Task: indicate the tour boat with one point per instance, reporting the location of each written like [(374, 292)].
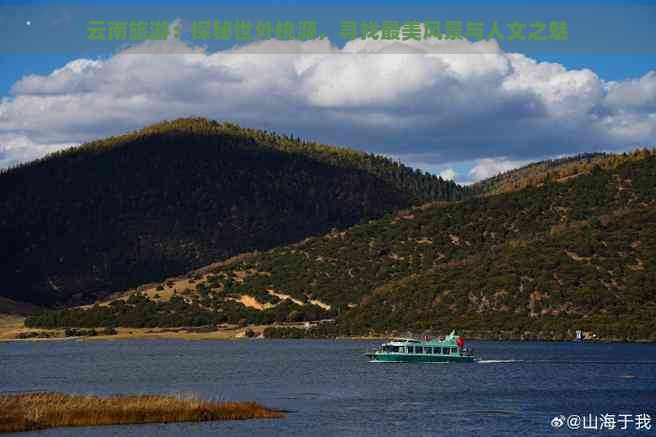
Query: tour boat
[(426, 350)]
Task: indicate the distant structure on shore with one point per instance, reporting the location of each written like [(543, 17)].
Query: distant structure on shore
[(585, 335)]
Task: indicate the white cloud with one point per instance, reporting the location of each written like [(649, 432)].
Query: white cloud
[(448, 174), (15, 148), (633, 94), (401, 98), (491, 167)]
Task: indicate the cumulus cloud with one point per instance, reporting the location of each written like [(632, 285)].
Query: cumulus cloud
[(448, 174), (397, 98), (16, 148), (489, 167), (639, 94)]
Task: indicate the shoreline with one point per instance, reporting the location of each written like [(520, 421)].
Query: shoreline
[(237, 335), (11, 327)]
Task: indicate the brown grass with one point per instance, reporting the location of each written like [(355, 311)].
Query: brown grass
[(26, 412)]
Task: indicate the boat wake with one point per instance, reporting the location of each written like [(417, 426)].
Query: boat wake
[(405, 362), (569, 362), (612, 363)]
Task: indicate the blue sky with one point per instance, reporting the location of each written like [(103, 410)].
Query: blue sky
[(515, 109)]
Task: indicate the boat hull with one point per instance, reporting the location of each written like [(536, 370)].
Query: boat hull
[(416, 358)]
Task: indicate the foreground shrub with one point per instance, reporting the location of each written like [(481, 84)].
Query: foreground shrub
[(26, 412)]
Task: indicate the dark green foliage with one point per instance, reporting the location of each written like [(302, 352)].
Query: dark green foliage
[(343, 267), (320, 331), (563, 254), (533, 286), (535, 263), (538, 172), (35, 334), (141, 312), (585, 247), (178, 195), (73, 332), (109, 331), (284, 332)]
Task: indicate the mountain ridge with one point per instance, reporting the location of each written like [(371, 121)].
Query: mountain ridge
[(114, 213), (552, 256)]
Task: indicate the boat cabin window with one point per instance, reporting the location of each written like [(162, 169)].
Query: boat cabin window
[(445, 350), (453, 350), (419, 350), (389, 348), (429, 350), (411, 349)]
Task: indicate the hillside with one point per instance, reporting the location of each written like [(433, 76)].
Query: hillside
[(178, 195), (558, 170), (552, 257), (8, 306), (599, 278)]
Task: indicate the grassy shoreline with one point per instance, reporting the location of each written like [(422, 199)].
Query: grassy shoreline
[(29, 412), (12, 327)]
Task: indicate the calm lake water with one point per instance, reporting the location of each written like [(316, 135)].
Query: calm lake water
[(330, 388)]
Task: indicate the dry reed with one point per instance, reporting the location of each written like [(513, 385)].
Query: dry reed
[(26, 412)]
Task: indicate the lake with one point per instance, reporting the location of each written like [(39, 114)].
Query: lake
[(329, 387)]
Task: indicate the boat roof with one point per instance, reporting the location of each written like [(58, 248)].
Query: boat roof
[(405, 340), (449, 339), (415, 340)]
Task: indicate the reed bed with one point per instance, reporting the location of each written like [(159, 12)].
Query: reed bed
[(27, 412)]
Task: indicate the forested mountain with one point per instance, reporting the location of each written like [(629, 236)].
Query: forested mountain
[(177, 195), (598, 277), (544, 260), (558, 170)]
